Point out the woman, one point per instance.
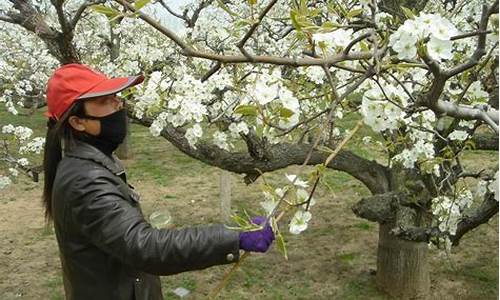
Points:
(107, 249)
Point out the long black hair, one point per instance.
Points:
(59, 134)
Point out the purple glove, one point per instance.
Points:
(257, 241)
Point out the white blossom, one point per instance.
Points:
(35, 146)
(265, 93)
(23, 133)
(8, 129)
(302, 196)
(13, 172)
(298, 182)
(333, 41)
(458, 135)
(300, 221)
(476, 92)
(193, 134)
(315, 74)
(439, 49)
(23, 162)
(220, 140)
(4, 181)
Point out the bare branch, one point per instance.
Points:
(79, 12)
(355, 41)
(190, 22)
(59, 44)
(241, 43)
(173, 13)
(469, 34)
(212, 71)
(481, 42)
(197, 11)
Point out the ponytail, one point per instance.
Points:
(57, 132)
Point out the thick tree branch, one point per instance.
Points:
(481, 215)
(466, 112)
(63, 21)
(391, 207)
(59, 44)
(370, 173)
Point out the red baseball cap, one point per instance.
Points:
(73, 82)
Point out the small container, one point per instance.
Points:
(161, 219)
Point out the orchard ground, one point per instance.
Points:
(334, 259)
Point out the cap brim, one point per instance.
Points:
(112, 86)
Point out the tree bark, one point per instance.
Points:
(372, 174)
(402, 266)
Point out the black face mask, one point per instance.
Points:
(113, 132)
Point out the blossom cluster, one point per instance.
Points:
(18, 136)
(426, 26)
(298, 201)
(448, 212)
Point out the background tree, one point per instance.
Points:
(257, 86)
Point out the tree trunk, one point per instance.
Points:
(402, 267)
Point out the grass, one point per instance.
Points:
(333, 259)
(54, 287)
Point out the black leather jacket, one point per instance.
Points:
(108, 251)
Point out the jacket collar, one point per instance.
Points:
(86, 151)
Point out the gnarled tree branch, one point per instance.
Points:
(278, 156)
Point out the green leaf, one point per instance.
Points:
(246, 110)
(107, 11)
(363, 46)
(239, 220)
(140, 3)
(328, 26)
(280, 242)
(244, 22)
(286, 113)
(408, 13)
(355, 12)
(252, 2)
(293, 18)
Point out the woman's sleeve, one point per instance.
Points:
(118, 228)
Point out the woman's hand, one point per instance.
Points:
(257, 241)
